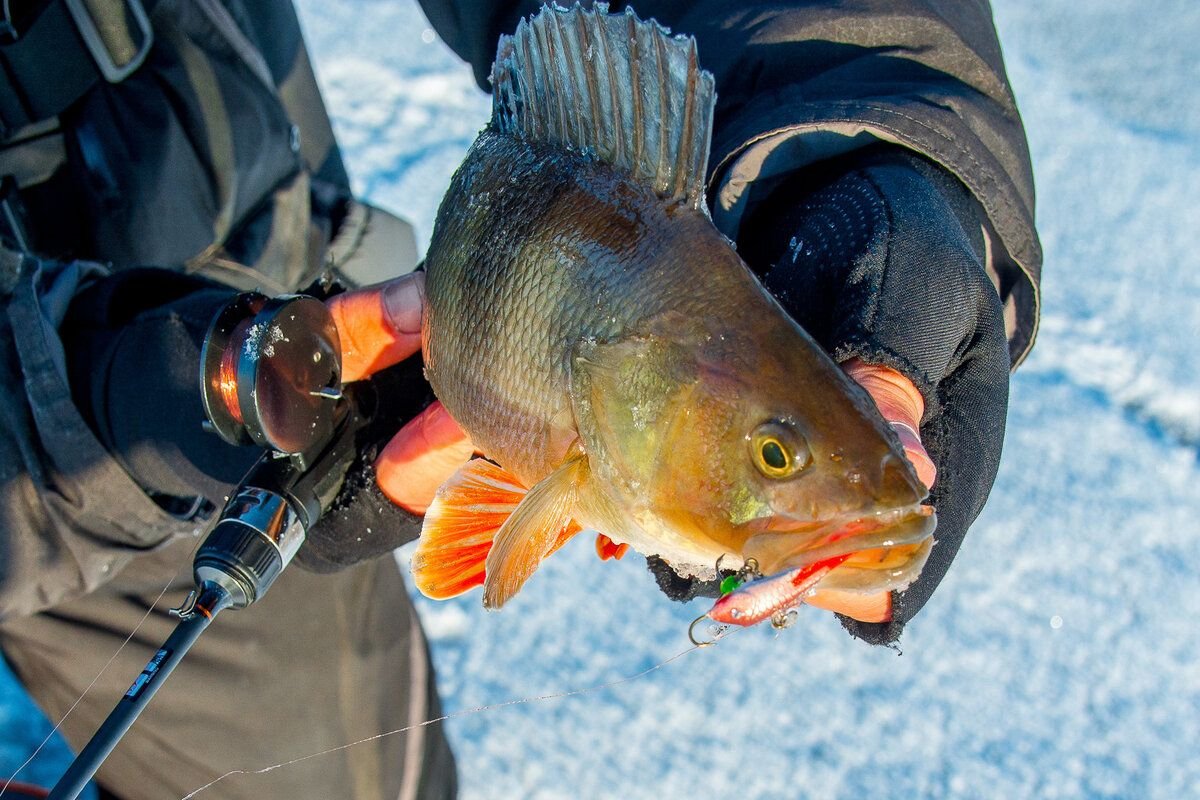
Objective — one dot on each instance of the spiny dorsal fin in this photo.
(611, 85)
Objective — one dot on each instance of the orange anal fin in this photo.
(460, 526)
(606, 548)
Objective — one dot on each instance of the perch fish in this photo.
(616, 361)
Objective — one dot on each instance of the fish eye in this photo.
(773, 455)
(778, 450)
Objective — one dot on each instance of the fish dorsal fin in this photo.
(613, 86)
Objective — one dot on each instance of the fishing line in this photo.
(186, 563)
(463, 713)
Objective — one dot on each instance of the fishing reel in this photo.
(271, 372)
(271, 376)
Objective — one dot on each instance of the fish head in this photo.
(753, 443)
(808, 469)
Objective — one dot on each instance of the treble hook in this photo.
(785, 619)
(717, 632)
(749, 571)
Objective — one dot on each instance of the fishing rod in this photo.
(271, 377)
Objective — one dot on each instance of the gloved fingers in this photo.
(862, 607)
(421, 457)
(901, 404)
(379, 325)
(966, 438)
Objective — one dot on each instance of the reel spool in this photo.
(271, 372)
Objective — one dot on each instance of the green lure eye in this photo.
(779, 450)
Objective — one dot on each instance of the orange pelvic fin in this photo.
(606, 548)
(539, 525)
(460, 526)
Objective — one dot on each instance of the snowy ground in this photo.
(1060, 656)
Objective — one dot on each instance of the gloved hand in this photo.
(137, 317)
(880, 258)
(391, 485)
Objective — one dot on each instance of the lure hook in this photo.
(785, 618)
(717, 632)
(749, 571)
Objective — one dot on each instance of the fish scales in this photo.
(531, 274)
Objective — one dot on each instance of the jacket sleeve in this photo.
(70, 516)
(801, 82)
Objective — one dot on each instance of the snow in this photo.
(1059, 657)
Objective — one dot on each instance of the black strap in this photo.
(12, 223)
(63, 52)
(10, 270)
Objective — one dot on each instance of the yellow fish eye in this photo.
(779, 451)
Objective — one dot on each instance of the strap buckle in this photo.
(122, 53)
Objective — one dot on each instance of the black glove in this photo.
(880, 256)
(363, 523)
(132, 343)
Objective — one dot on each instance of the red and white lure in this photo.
(747, 598)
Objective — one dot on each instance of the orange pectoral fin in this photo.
(460, 527)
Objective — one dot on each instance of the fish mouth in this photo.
(882, 550)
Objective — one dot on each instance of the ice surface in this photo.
(1058, 659)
